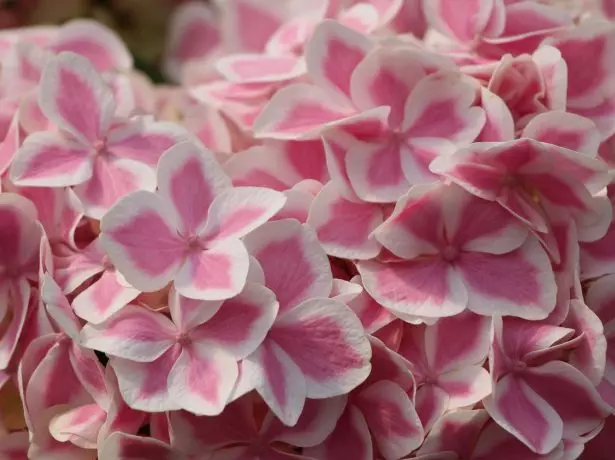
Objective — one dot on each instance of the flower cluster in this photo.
(364, 230)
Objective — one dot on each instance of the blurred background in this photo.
(141, 23)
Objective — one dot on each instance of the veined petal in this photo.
(202, 379)
(140, 236)
(344, 227)
(45, 159)
(75, 98)
(238, 211)
(295, 266)
(217, 273)
(189, 179)
(134, 333)
(309, 331)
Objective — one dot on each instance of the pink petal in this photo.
(344, 228)
(465, 387)
(278, 380)
(391, 418)
(373, 316)
(189, 178)
(59, 308)
(524, 414)
(241, 323)
(111, 180)
(299, 111)
(103, 298)
(570, 394)
(202, 379)
(565, 130)
(260, 68)
(464, 21)
(121, 446)
(456, 432)
(332, 54)
(75, 98)
(499, 124)
(441, 106)
(522, 282)
(309, 331)
(140, 236)
(414, 228)
(92, 40)
(427, 288)
(45, 159)
(193, 34)
(134, 333)
(250, 23)
(144, 386)
(431, 404)
(575, 45)
(456, 342)
(236, 212)
(79, 426)
(386, 77)
(350, 438)
(217, 273)
(317, 422)
(294, 265)
(375, 171)
(144, 140)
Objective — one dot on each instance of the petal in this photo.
(250, 23)
(144, 140)
(202, 379)
(351, 438)
(260, 68)
(465, 387)
(332, 54)
(278, 380)
(144, 386)
(463, 22)
(78, 426)
(375, 171)
(456, 342)
(295, 266)
(524, 414)
(189, 178)
(317, 422)
(58, 307)
(420, 288)
(90, 39)
(299, 111)
(121, 446)
(238, 211)
(520, 283)
(103, 298)
(45, 159)
(75, 98)
(134, 333)
(570, 394)
(392, 419)
(386, 77)
(344, 228)
(217, 273)
(415, 227)
(308, 333)
(140, 237)
(499, 124)
(112, 179)
(241, 323)
(441, 106)
(194, 32)
(373, 316)
(431, 405)
(565, 130)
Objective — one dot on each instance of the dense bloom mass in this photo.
(364, 230)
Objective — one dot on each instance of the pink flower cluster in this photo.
(363, 230)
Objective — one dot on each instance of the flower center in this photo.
(183, 339)
(450, 253)
(519, 366)
(194, 243)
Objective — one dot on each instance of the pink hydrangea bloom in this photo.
(363, 229)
